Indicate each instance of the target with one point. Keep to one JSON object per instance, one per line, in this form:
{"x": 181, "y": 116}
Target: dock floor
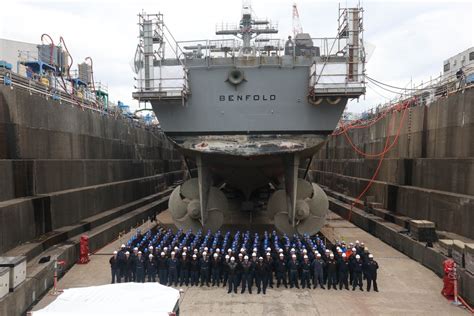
{"x": 405, "y": 287}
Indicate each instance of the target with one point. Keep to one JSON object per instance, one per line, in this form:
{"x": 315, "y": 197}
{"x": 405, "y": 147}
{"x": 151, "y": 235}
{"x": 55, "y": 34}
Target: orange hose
{"x": 469, "y": 308}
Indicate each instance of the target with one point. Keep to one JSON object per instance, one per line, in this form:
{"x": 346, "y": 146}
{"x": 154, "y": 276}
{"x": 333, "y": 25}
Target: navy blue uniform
{"x": 172, "y": 271}
{"x": 115, "y": 268}
{"x": 281, "y": 272}
{"x": 162, "y": 263}
{"x": 343, "y": 268}
{"x": 293, "y": 267}
{"x": 332, "y": 273}
{"x": 305, "y": 274}
{"x": 184, "y": 266}
{"x": 151, "y": 270}
{"x": 232, "y": 271}
{"x": 246, "y": 268}
{"x": 357, "y": 268}
{"x": 205, "y": 266}
{"x": 194, "y": 271}
{"x": 371, "y": 272}
{"x": 318, "y": 268}
{"x": 140, "y": 269}
{"x": 261, "y": 275}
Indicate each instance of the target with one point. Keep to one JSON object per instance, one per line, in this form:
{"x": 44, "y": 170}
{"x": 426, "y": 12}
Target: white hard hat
{"x": 173, "y": 253}
{"x": 204, "y": 253}
{"x": 185, "y": 248}
{"x": 357, "y": 242}
{"x": 127, "y": 253}
{"x": 165, "y": 249}
{"x": 151, "y": 247}
{"x": 354, "y": 250}
{"x": 305, "y": 251}
{"x": 184, "y": 254}
{"x": 305, "y": 257}
{"x": 292, "y": 250}
{"x": 195, "y": 250}
{"x": 254, "y": 254}
{"x": 176, "y": 248}
{"x": 215, "y": 255}
{"x": 269, "y": 249}
{"x": 327, "y": 250}
{"x": 218, "y": 250}
{"x": 293, "y": 256}
{"x": 194, "y": 256}
{"x": 260, "y": 258}
{"x": 162, "y": 253}
{"x": 115, "y": 252}
{"x": 241, "y": 255}
{"x": 268, "y": 254}
{"x": 150, "y": 256}
{"x": 280, "y": 250}
{"x": 242, "y": 249}
{"x": 282, "y": 255}
{"x": 343, "y": 255}
{"x": 254, "y": 249}
{"x": 136, "y": 248}
{"x": 371, "y": 256}
{"x": 229, "y": 250}
{"x": 232, "y": 259}
{"x": 357, "y": 257}
{"x": 227, "y": 256}
{"x": 206, "y": 249}
{"x": 318, "y": 255}
{"x": 331, "y": 255}
{"x": 123, "y": 246}
{"x": 246, "y": 258}
{"x": 139, "y": 252}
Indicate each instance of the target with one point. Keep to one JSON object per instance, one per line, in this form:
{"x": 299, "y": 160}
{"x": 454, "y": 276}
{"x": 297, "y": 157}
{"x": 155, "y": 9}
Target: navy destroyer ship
{"x": 249, "y": 111}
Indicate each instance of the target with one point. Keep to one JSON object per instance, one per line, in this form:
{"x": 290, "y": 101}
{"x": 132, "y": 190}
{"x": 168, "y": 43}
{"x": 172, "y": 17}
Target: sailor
{"x": 133, "y": 264}
{"x": 254, "y": 263}
{"x": 246, "y": 267}
{"x": 184, "y": 269}
{"x": 204, "y": 265}
{"x": 293, "y": 267}
{"x": 343, "y": 268}
{"x": 140, "y": 268}
{"x": 305, "y": 272}
{"x": 194, "y": 270}
{"x": 127, "y": 267}
{"x": 352, "y": 259}
{"x": 151, "y": 268}
{"x": 357, "y": 267}
{"x": 232, "y": 268}
{"x": 318, "y": 266}
{"x": 225, "y": 269}
{"x": 114, "y": 267}
{"x": 271, "y": 267}
{"x": 121, "y": 261}
{"x": 216, "y": 269}
{"x": 332, "y": 272}
{"x": 172, "y": 270}
{"x": 261, "y": 275}
{"x": 372, "y": 267}
{"x": 162, "y": 265}
{"x": 239, "y": 270}
{"x": 281, "y": 270}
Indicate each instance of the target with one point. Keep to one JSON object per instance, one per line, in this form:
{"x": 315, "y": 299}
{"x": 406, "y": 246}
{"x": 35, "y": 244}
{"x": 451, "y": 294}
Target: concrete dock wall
{"x": 428, "y": 174}
{"x": 61, "y": 164}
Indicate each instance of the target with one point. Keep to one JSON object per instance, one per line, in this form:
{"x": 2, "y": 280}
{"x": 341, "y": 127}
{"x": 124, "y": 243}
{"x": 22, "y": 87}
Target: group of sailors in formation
{"x": 243, "y": 260}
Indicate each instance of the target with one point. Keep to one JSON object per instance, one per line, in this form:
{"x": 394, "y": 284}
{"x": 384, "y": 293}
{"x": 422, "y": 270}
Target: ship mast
{"x": 248, "y": 28}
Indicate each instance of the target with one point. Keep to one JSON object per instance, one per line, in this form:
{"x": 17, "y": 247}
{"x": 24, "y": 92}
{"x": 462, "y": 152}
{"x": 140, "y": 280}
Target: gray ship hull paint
{"x": 269, "y": 99}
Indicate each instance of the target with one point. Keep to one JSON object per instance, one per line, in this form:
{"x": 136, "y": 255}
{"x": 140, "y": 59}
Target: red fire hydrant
{"x": 84, "y": 250}
{"x": 449, "y": 278}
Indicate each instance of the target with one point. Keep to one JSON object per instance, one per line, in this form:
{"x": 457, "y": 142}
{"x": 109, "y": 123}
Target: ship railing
{"x": 16, "y": 81}
{"x": 425, "y": 92}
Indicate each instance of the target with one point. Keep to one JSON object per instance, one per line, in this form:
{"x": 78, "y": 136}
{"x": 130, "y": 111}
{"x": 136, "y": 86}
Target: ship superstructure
{"x": 249, "y": 110}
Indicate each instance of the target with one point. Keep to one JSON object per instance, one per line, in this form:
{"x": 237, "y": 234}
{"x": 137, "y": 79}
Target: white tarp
{"x": 144, "y": 299}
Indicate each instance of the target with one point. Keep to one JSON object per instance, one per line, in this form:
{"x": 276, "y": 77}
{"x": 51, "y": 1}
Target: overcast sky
{"x": 411, "y": 38}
